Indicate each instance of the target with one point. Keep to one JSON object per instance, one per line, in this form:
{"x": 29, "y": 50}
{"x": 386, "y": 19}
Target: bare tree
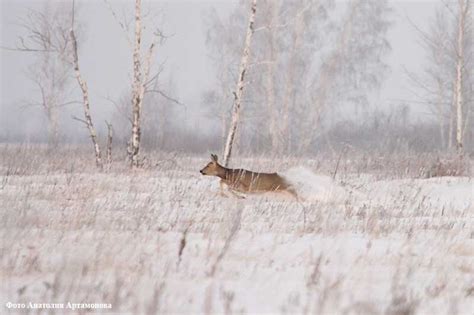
{"x": 137, "y": 87}
{"x": 160, "y": 110}
{"x": 281, "y": 133}
{"x": 297, "y": 70}
{"x": 48, "y": 36}
{"x": 224, "y": 51}
{"x": 48, "y": 40}
{"x": 271, "y": 84}
{"x": 272, "y": 79}
{"x": 351, "y": 69}
{"x": 244, "y": 63}
{"x": 446, "y": 83}
{"x": 110, "y": 134}
{"x": 300, "y": 33}
{"x": 85, "y": 96}
{"x": 463, "y": 9}
{"x": 142, "y": 81}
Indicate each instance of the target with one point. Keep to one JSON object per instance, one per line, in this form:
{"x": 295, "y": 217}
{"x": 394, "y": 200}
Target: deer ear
{"x": 214, "y": 157}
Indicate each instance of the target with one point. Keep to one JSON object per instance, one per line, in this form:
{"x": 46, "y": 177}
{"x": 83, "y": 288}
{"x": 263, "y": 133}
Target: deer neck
{"x": 224, "y": 172}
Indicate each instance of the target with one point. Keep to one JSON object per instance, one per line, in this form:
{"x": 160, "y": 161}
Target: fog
{"x": 249, "y": 157}
{"x": 188, "y": 67}
{"x": 106, "y": 59}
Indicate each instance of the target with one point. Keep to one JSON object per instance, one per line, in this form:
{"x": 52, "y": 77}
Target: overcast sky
{"x": 106, "y": 60}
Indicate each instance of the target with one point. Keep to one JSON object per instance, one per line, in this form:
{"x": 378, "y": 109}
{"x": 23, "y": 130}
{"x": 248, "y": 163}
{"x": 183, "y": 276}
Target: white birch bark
{"x": 86, "y": 105}
{"x": 441, "y": 113}
{"x": 134, "y": 146}
{"x": 459, "y": 74}
{"x": 141, "y": 71}
{"x": 244, "y": 62}
{"x": 452, "y": 118}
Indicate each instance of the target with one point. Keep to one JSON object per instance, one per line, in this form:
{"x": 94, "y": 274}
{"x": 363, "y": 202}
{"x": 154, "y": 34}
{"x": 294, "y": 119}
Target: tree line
{"x": 285, "y": 72}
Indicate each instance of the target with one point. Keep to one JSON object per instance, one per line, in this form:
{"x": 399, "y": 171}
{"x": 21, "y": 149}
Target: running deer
{"x": 245, "y": 181}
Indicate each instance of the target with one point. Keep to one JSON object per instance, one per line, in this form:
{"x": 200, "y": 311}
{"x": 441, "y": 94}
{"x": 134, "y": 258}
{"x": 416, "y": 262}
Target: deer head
{"x": 213, "y": 168}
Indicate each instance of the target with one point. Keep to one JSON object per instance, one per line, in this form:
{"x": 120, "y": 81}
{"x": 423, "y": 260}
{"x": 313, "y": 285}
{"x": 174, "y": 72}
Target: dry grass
{"x": 161, "y": 240}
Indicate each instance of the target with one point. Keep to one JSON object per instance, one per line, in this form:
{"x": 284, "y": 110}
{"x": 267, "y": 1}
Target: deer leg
{"x": 292, "y": 192}
{"x": 222, "y": 189}
{"x": 236, "y": 194}
{"x": 230, "y": 192}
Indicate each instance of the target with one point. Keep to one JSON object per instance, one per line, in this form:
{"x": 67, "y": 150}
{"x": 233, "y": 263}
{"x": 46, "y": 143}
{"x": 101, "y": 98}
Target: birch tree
{"x": 244, "y": 63}
{"x": 463, "y": 9}
{"x": 48, "y": 35}
{"x": 47, "y": 39}
{"x": 141, "y": 79}
{"x": 271, "y": 80}
{"x": 434, "y": 87}
{"x": 279, "y": 70}
{"x": 137, "y": 86}
{"x": 445, "y": 85}
{"x": 298, "y": 59}
{"x": 85, "y": 96}
{"x": 307, "y": 62}
{"x": 351, "y": 67}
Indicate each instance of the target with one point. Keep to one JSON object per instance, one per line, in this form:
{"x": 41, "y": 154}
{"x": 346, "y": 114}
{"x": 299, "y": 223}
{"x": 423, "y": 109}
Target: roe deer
{"x": 245, "y": 181}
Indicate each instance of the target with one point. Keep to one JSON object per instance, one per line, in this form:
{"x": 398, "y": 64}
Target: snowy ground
{"x": 163, "y": 240}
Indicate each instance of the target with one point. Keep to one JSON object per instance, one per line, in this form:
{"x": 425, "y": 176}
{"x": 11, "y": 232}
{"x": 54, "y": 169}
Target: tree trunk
{"x": 459, "y": 76}
{"x": 240, "y": 84}
{"x": 327, "y": 74}
{"x": 53, "y": 126}
{"x": 284, "y": 136}
{"x": 110, "y": 134}
{"x": 441, "y": 114}
{"x": 140, "y": 78}
{"x": 270, "y": 78}
{"x": 223, "y": 127}
{"x": 452, "y": 118}
{"x": 134, "y": 146}
{"x": 85, "y": 97}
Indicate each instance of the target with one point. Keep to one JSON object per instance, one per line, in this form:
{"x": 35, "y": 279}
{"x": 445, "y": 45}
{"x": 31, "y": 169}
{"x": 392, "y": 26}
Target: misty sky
{"x": 106, "y": 59}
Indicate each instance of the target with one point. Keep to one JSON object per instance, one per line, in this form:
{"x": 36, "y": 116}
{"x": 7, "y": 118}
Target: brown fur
{"x": 245, "y": 181}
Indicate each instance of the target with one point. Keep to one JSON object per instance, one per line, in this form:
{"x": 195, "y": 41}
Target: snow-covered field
{"x": 163, "y": 240}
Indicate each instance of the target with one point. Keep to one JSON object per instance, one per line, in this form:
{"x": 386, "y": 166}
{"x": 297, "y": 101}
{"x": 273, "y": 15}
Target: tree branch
{"x": 122, "y": 25}
{"x": 80, "y": 120}
{"x": 165, "y": 96}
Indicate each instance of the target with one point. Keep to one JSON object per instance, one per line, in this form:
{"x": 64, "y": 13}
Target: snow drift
{"x": 310, "y": 186}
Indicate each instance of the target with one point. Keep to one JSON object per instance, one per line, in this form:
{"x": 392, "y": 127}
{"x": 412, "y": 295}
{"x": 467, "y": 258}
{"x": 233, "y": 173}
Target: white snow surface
{"x": 310, "y": 186}
{"x": 165, "y": 241}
